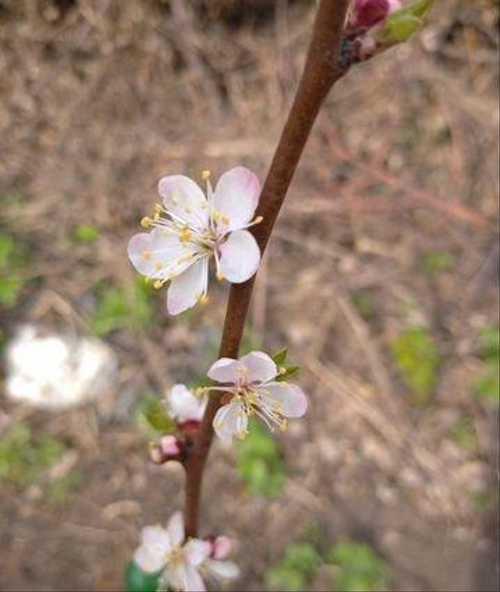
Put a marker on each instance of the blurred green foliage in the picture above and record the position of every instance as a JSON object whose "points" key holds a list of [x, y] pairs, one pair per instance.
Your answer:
{"points": [[417, 358], [123, 308], [436, 262], [259, 462], [137, 580], [23, 458], [296, 570], [60, 491], [86, 234], [364, 303], [464, 434], [13, 258], [488, 386], [358, 568]]}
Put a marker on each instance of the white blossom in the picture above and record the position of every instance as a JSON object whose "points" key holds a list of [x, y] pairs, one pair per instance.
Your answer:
{"points": [[190, 228]]}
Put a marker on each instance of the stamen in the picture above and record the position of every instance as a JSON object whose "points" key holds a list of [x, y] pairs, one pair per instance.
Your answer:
{"points": [[146, 222]]}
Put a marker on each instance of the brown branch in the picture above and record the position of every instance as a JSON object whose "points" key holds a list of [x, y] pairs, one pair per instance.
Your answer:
{"points": [[321, 71]]}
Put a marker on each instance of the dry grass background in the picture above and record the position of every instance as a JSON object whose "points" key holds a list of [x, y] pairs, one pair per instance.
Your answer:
{"points": [[100, 98]]}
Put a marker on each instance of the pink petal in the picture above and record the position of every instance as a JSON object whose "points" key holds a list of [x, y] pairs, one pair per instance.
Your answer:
{"points": [[236, 197], [222, 547], [290, 397], [184, 406], [158, 254], [197, 551], [175, 528], [156, 543], [186, 289], [260, 367], [184, 198], [226, 370], [149, 559], [240, 257], [170, 446], [229, 421]]}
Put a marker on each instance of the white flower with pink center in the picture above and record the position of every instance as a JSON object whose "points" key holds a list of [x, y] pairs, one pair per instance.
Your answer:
{"points": [[252, 389], [167, 551], [190, 228]]}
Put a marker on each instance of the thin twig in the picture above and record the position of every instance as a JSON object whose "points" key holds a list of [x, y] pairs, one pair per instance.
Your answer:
{"points": [[321, 71]]}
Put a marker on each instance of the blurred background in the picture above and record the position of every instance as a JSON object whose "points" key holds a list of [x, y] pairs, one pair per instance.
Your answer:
{"points": [[380, 278]]}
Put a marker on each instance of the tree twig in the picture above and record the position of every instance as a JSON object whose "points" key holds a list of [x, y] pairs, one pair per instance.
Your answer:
{"points": [[322, 69]]}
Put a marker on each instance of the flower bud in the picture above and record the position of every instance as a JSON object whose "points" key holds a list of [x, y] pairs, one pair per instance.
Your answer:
{"points": [[169, 448], [368, 13]]}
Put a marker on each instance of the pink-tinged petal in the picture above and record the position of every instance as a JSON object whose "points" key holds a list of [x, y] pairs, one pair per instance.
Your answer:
{"points": [[175, 528], [260, 367], [236, 197], [192, 580], [184, 198], [184, 406], [222, 547], [367, 13], [174, 577], [159, 254], [196, 551], [156, 543], [186, 289], [230, 421], [290, 398], [149, 559], [239, 257], [224, 570], [226, 370]]}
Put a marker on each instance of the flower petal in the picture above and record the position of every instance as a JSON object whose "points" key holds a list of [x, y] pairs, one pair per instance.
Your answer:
{"points": [[231, 420], [290, 398], [236, 197], [260, 367], [156, 543], [184, 198], [226, 570], [196, 551], [226, 370], [192, 580], [222, 547], [175, 528], [184, 406], [239, 257], [186, 289]]}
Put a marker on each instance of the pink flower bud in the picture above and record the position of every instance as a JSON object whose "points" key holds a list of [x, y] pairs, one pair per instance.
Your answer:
{"points": [[368, 13], [222, 547], [170, 446]]}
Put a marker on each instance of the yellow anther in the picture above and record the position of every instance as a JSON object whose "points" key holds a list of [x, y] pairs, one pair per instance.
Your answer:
{"points": [[258, 220], [156, 216], [158, 284], [203, 299], [284, 425], [185, 235], [158, 208], [205, 175], [146, 222], [283, 370]]}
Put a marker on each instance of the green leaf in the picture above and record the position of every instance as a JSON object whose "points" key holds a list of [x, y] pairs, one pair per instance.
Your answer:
{"points": [[156, 416], [296, 569], [137, 580], [279, 358]]}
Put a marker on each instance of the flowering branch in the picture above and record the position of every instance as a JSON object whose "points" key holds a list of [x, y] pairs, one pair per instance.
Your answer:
{"points": [[322, 69]]}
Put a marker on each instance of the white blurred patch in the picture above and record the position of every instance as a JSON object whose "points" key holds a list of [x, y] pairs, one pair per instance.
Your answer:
{"points": [[58, 371]]}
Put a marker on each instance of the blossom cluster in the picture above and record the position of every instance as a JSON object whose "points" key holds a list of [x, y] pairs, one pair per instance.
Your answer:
{"points": [[182, 564]]}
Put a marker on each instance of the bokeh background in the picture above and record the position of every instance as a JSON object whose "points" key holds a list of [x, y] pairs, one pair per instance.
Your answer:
{"points": [[380, 278]]}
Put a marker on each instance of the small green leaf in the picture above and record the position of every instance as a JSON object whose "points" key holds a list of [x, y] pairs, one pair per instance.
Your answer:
{"points": [[137, 580], [404, 23], [156, 416], [279, 358], [288, 372]]}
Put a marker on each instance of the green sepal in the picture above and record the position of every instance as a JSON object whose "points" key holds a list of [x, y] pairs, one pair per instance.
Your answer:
{"points": [[287, 372], [404, 23], [279, 358], [137, 580], [157, 417]]}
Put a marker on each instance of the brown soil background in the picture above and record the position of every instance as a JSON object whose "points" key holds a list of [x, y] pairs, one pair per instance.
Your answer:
{"points": [[100, 98]]}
